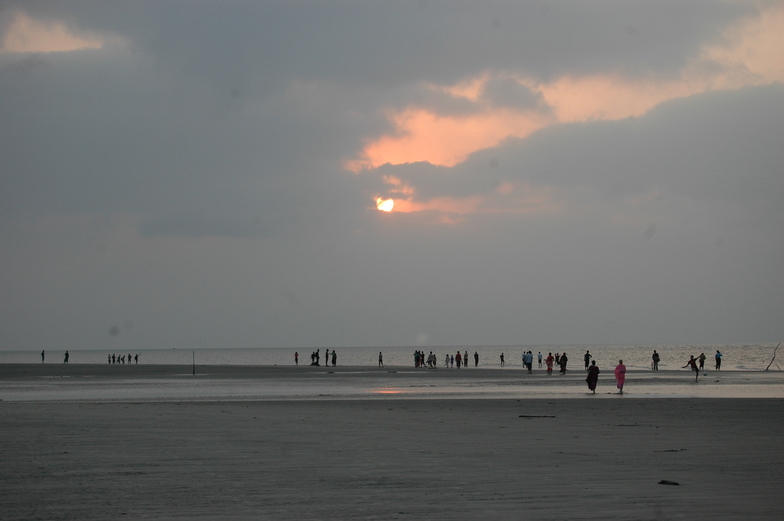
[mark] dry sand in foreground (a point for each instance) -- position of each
(394, 459)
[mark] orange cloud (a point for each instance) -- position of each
(754, 48)
(751, 54)
(444, 140)
(28, 35)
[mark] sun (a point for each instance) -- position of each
(385, 205)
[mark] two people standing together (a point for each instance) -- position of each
(593, 376)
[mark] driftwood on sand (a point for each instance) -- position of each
(774, 357)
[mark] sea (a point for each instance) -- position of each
(743, 357)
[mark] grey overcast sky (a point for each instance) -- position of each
(192, 174)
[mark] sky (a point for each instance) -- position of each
(232, 174)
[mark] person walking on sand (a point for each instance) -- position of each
(587, 358)
(296, 358)
(693, 364)
(43, 355)
(66, 357)
(539, 356)
(593, 376)
(718, 360)
(465, 359)
(655, 361)
(458, 359)
(620, 375)
(702, 358)
(563, 361)
(502, 359)
(476, 359)
(529, 361)
(136, 358)
(334, 358)
(549, 361)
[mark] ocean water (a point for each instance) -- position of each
(747, 357)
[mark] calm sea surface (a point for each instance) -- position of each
(735, 356)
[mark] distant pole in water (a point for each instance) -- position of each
(194, 362)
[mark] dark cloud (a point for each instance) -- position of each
(508, 93)
(255, 46)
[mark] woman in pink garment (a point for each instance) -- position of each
(620, 374)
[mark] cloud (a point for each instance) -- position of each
(422, 134)
(556, 167)
(720, 146)
(26, 35)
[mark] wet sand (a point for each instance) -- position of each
(89, 382)
(392, 458)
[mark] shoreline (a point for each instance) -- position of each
(86, 383)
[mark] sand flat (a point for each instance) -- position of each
(394, 459)
(117, 442)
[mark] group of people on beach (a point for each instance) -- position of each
(315, 358)
(462, 359)
(421, 361)
(459, 359)
(698, 364)
(560, 359)
(120, 359)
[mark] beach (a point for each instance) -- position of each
(386, 456)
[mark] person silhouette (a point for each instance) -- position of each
(593, 376)
(43, 355)
(66, 358)
(693, 364)
(562, 362)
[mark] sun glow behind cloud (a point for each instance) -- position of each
(749, 54)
